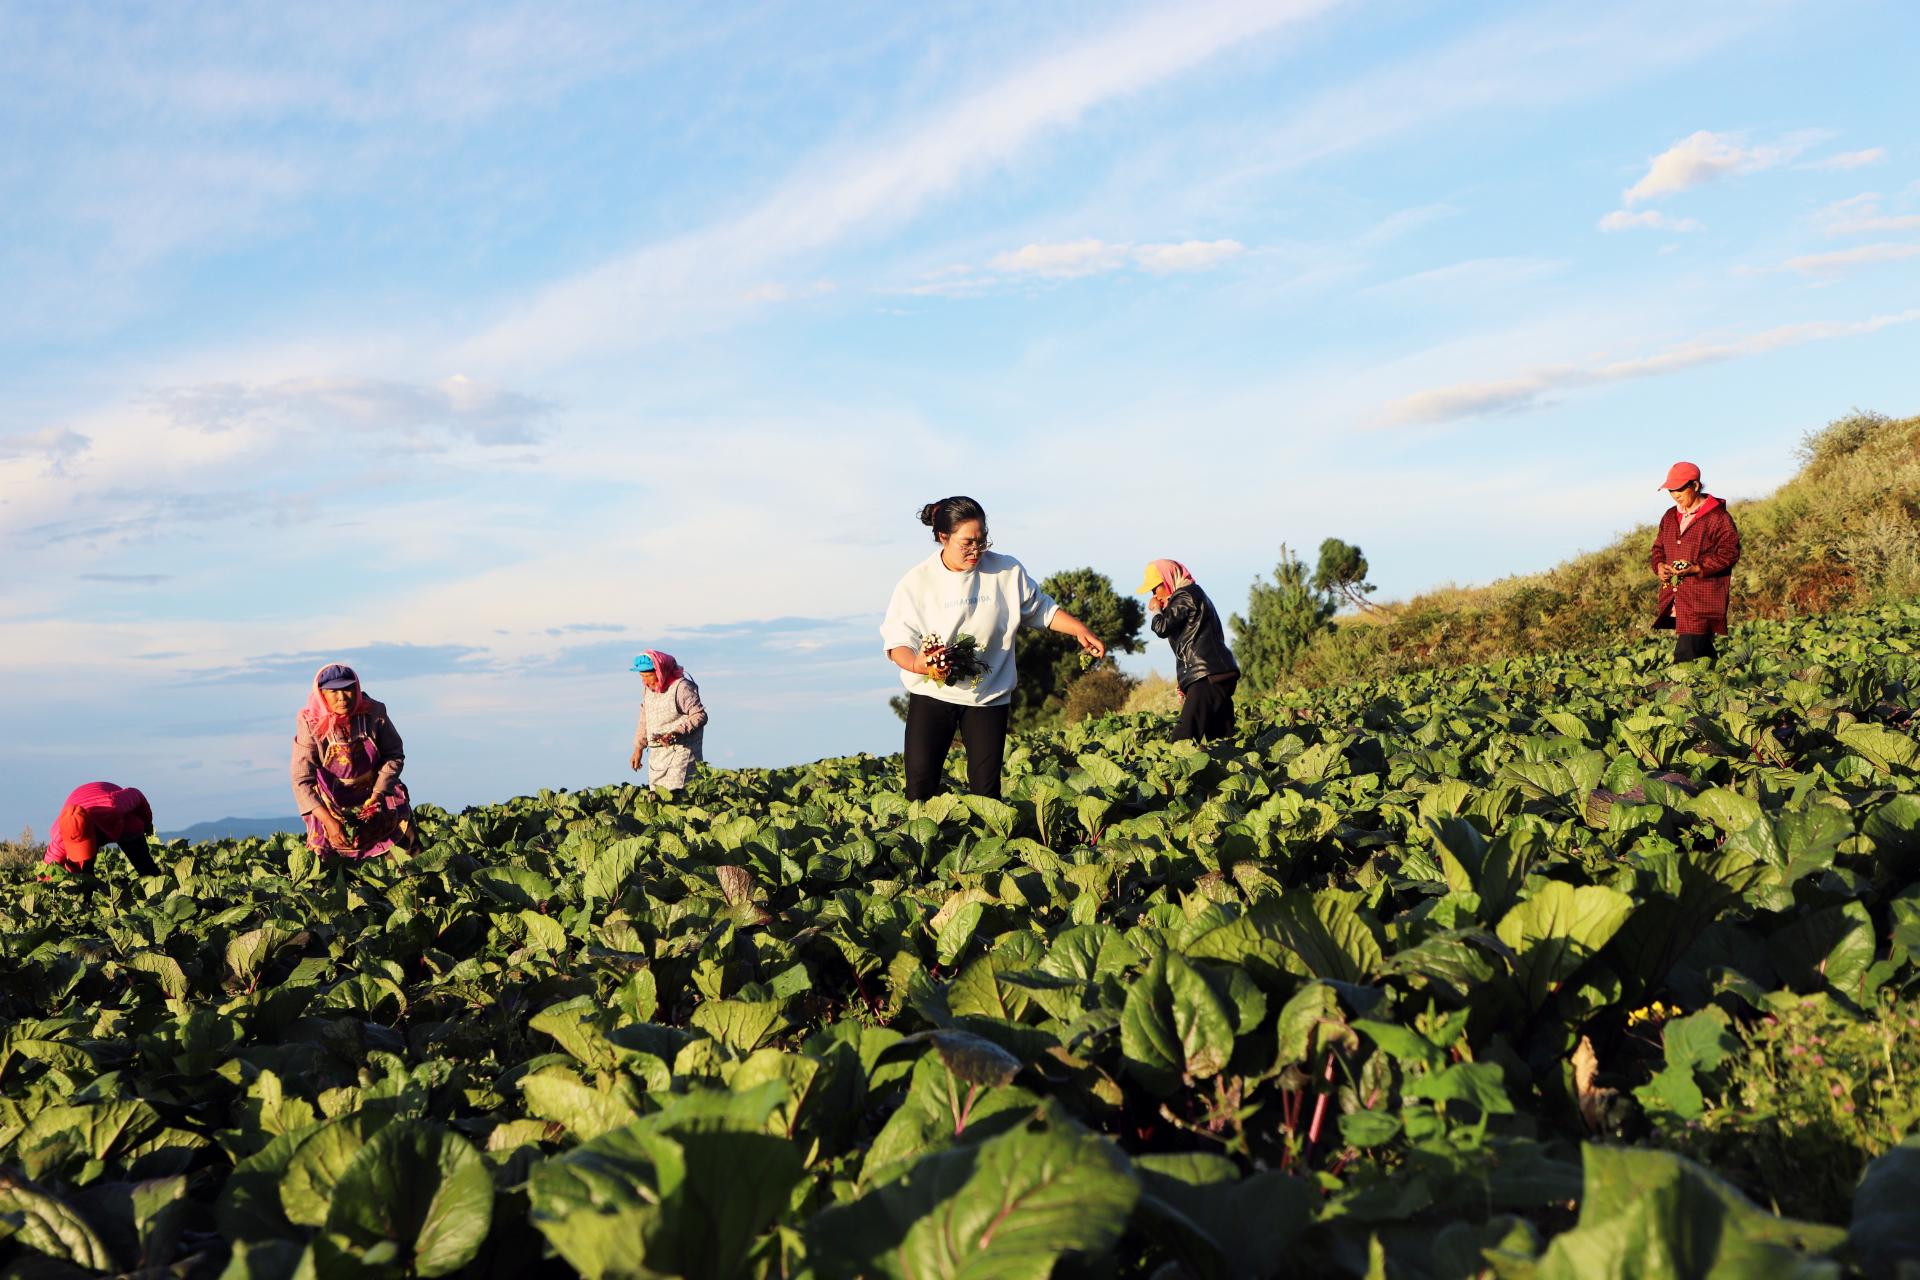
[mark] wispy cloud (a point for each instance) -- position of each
(670, 285)
(1862, 215)
(130, 580)
(459, 406)
(1063, 260)
(1537, 388)
(1703, 156)
(53, 446)
(1073, 259)
(1841, 261)
(380, 661)
(1849, 160)
(1646, 220)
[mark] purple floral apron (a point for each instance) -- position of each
(348, 766)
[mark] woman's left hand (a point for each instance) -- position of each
(1091, 644)
(371, 807)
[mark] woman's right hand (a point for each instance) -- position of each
(634, 763)
(932, 662)
(336, 834)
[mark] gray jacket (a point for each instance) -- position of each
(680, 712)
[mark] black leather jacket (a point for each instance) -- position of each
(1191, 625)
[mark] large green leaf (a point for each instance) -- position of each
(316, 1166)
(44, 1223)
(1222, 1225)
(249, 952)
(1699, 1042)
(1651, 1215)
(1886, 1210)
(1325, 932)
(421, 1187)
(1827, 949)
(1008, 1208)
(684, 1192)
(1557, 929)
(1174, 1026)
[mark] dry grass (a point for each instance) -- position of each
(1155, 694)
(25, 850)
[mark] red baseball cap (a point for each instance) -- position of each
(76, 833)
(1681, 474)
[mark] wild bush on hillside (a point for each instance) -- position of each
(1100, 692)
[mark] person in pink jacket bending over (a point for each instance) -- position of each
(97, 814)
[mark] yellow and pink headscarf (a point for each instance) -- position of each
(1171, 573)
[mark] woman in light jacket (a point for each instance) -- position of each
(964, 589)
(673, 722)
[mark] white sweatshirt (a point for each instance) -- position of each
(989, 602)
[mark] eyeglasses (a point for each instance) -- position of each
(970, 544)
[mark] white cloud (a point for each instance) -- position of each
(1646, 220)
(777, 292)
(1536, 388)
(1862, 215)
(1844, 260)
(670, 286)
(1061, 261)
(1848, 160)
(1189, 255)
(1704, 156)
(1073, 258)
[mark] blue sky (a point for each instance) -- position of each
(482, 345)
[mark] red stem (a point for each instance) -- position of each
(1320, 1107)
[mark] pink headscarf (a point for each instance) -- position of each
(1172, 573)
(319, 716)
(665, 669)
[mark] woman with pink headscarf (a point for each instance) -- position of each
(346, 767)
(673, 722)
(1203, 666)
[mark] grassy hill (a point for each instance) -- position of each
(1843, 533)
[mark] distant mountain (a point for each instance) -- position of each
(235, 829)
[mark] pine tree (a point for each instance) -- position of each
(1283, 616)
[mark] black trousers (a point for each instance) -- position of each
(1207, 711)
(1687, 648)
(931, 724)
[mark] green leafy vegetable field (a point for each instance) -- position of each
(1431, 977)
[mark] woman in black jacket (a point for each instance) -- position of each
(1203, 666)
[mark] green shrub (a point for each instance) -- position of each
(1813, 1094)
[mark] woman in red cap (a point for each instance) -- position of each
(346, 767)
(1693, 556)
(96, 814)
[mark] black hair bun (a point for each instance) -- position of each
(931, 512)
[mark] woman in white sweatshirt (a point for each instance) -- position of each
(964, 589)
